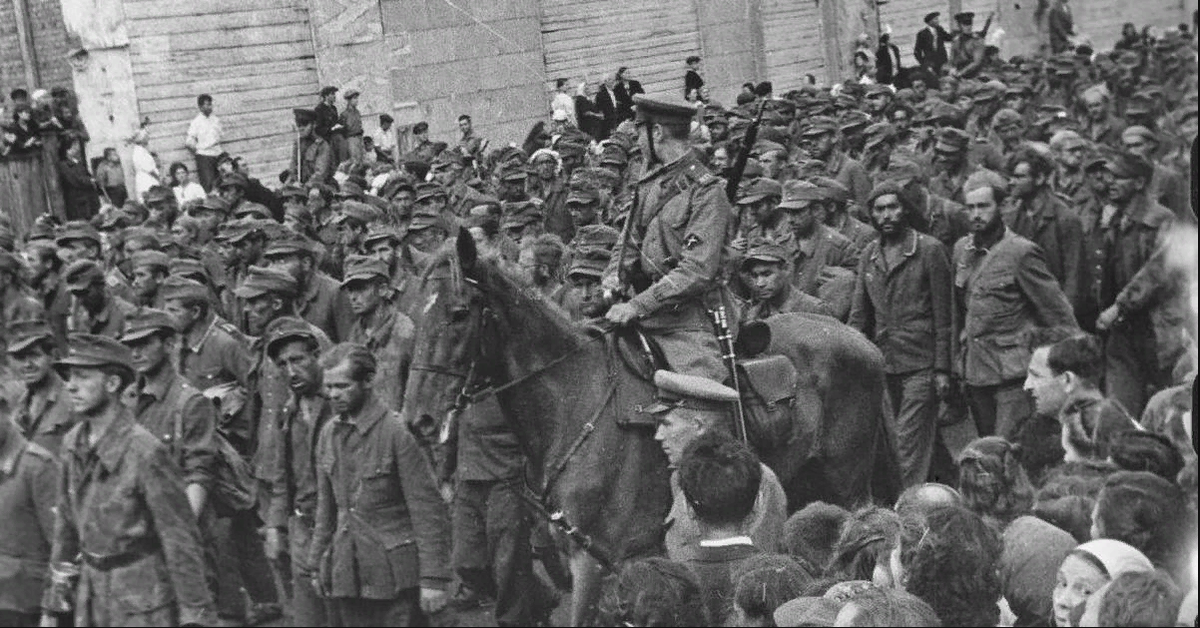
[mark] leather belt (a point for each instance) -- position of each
(135, 552)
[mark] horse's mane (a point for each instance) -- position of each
(511, 298)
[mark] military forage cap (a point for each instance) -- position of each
(819, 125)
(364, 268)
(361, 212)
(583, 195)
(676, 390)
(289, 244)
(423, 219)
(233, 180)
(759, 189)
(252, 210)
(429, 190)
(76, 230)
(145, 323)
(147, 257)
(176, 287)
(521, 213)
(22, 334)
(261, 280)
(797, 194)
(158, 193)
(984, 178)
(831, 189)
(379, 232)
(952, 140)
(765, 251)
(82, 274)
(286, 328)
(90, 350)
(878, 133)
(663, 110)
(1129, 166)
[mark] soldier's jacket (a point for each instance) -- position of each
(124, 522)
(390, 338)
(858, 232)
(109, 321)
(18, 305)
(554, 207)
(56, 301)
(1001, 295)
(325, 305)
(1170, 190)
(1129, 241)
(1046, 221)
(294, 481)
(679, 239)
(905, 309)
(316, 162)
(381, 525)
(850, 173)
(28, 481)
(945, 220)
(825, 248)
(788, 300)
(765, 527)
(183, 419)
(221, 355)
(270, 391)
(1153, 295)
(119, 285)
(949, 186)
(44, 416)
(1107, 132)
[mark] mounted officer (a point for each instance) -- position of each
(671, 249)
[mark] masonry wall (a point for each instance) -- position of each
(51, 43)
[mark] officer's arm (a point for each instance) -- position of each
(163, 491)
(624, 253)
(700, 256)
(430, 517)
(1041, 289)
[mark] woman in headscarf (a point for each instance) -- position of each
(1088, 568)
(1033, 552)
(145, 168)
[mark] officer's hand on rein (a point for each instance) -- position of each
(621, 314)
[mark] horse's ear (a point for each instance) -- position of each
(468, 253)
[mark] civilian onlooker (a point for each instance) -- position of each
(886, 607)
(1087, 569)
(992, 481)
(811, 533)
(1033, 552)
(865, 544)
(145, 166)
(1135, 450)
(887, 60)
(653, 592)
(182, 185)
(955, 568)
(110, 177)
(1146, 598)
(692, 82)
(204, 141)
(763, 584)
(80, 198)
(1151, 514)
(922, 499)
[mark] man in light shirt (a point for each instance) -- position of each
(204, 140)
(563, 101)
(385, 138)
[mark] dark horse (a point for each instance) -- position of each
(567, 393)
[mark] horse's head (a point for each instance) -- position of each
(448, 349)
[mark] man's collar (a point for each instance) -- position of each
(112, 443)
(370, 414)
(194, 347)
(50, 388)
(157, 385)
(1004, 233)
(727, 542)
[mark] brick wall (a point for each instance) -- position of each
(51, 43)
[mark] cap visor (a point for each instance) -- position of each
(753, 198)
(248, 292)
(660, 407)
(134, 336)
(17, 346)
(359, 278)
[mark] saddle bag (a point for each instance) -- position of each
(769, 397)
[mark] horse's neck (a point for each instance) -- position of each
(552, 406)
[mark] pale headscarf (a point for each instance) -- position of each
(1115, 557)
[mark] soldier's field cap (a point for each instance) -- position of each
(1066, 139)
(819, 125)
(379, 232)
(595, 241)
(429, 189)
(215, 203)
(290, 244)
(520, 214)
(233, 180)
(351, 93)
(831, 189)
(932, 15)
(304, 116)
(952, 140)
(82, 274)
(76, 230)
(327, 90)
(145, 323)
(22, 334)
(759, 189)
(797, 194)
(765, 251)
(261, 280)
(663, 110)
(513, 173)
(583, 195)
(587, 267)
(147, 257)
(966, 17)
(1138, 131)
(252, 210)
(676, 390)
(158, 194)
(291, 191)
(362, 212)
(90, 350)
(177, 287)
(423, 219)
(1125, 165)
(1007, 118)
(286, 328)
(878, 133)
(360, 268)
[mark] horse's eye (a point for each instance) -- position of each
(459, 314)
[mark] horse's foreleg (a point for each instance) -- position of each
(586, 574)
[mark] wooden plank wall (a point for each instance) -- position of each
(26, 191)
(255, 59)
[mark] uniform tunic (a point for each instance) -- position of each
(390, 338)
(28, 480)
(44, 414)
(122, 509)
(109, 321)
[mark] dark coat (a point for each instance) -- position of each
(715, 568)
(930, 52)
(81, 198)
(1057, 229)
(887, 63)
(623, 95)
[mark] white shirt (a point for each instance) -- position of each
(190, 192)
(204, 135)
(145, 170)
(565, 103)
(385, 140)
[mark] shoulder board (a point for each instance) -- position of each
(229, 328)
